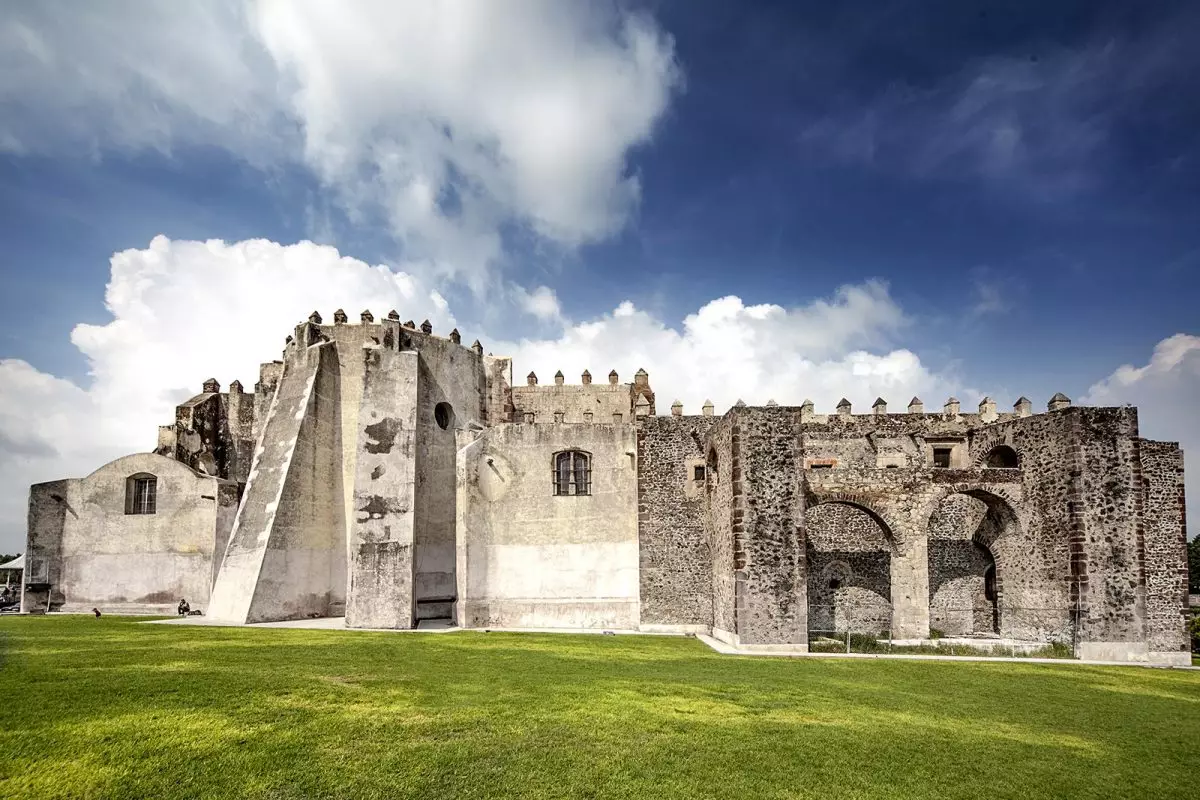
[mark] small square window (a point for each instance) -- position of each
(941, 457)
(698, 473)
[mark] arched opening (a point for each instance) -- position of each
(1002, 457)
(141, 494)
(443, 415)
(710, 472)
(848, 550)
(959, 561)
(986, 577)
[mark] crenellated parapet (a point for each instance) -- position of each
(583, 402)
(389, 333)
(951, 412)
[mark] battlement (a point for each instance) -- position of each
(389, 332)
(951, 411)
(586, 402)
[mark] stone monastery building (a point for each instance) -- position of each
(394, 477)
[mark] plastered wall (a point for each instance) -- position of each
(96, 555)
(528, 558)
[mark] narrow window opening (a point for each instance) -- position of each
(989, 583)
(572, 474)
(698, 474)
(941, 457)
(141, 494)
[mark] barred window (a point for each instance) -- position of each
(141, 494)
(572, 473)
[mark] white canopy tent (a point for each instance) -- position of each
(10, 571)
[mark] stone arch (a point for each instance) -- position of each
(981, 447)
(973, 530)
(1002, 456)
(863, 504)
(848, 554)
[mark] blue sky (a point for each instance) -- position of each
(1023, 181)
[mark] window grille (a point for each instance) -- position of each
(941, 457)
(572, 474)
(141, 494)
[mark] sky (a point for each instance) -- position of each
(750, 201)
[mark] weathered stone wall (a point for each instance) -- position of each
(1082, 527)
(1034, 564)
(596, 402)
(848, 570)
(528, 558)
(380, 583)
(287, 554)
(718, 518)
(499, 407)
(264, 393)
(97, 556)
(239, 410)
(1165, 546)
(43, 546)
(450, 374)
(1109, 498)
(675, 556)
(769, 547)
(958, 604)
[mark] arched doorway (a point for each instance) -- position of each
(982, 574)
(848, 551)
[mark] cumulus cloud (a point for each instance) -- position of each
(542, 302)
(451, 121)
(183, 311)
(728, 350)
(1164, 391)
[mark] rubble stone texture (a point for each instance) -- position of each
(392, 476)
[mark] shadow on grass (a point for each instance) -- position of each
(114, 709)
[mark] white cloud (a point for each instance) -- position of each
(1165, 392)
(542, 303)
(727, 351)
(184, 311)
(451, 120)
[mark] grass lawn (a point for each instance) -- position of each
(113, 709)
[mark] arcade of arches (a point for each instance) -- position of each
(973, 549)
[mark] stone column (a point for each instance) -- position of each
(910, 589)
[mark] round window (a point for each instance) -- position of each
(443, 415)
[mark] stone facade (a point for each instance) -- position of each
(399, 478)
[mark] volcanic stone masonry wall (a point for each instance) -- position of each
(772, 600)
(957, 602)
(675, 556)
(1036, 575)
(849, 570)
(1109, 499)
(719, 522)
(1165, 545)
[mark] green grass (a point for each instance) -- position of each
(112, 709)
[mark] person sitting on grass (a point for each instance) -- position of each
(184, 608)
